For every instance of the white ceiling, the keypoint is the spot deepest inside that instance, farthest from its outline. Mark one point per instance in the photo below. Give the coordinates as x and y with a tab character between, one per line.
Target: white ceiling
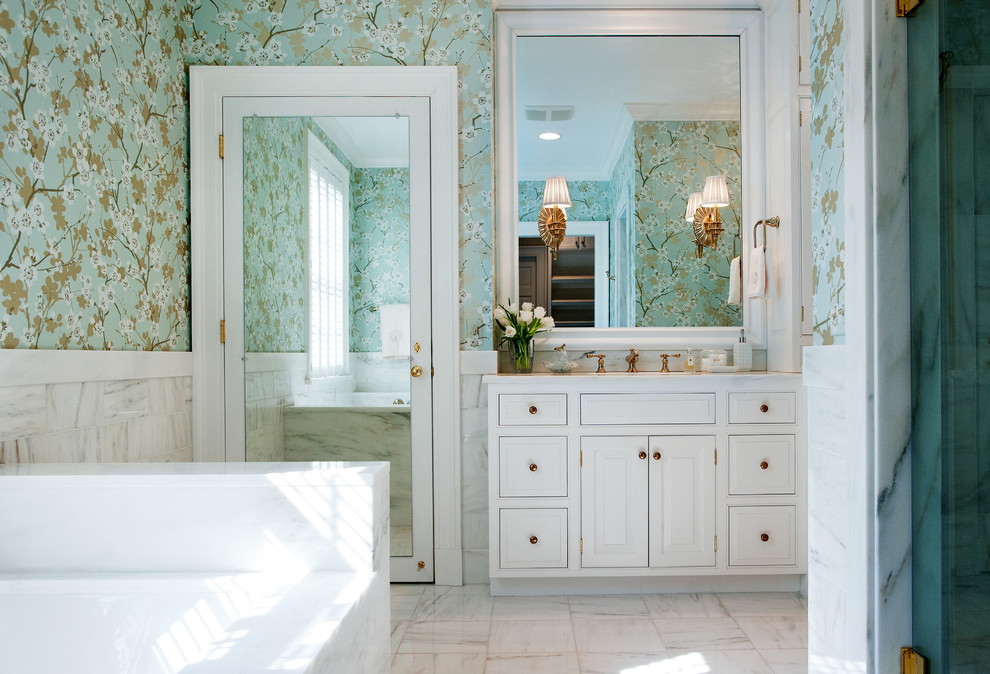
370	142
611	81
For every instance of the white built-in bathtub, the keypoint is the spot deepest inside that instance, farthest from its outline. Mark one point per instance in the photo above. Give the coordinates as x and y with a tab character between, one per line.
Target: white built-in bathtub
373	399
212	568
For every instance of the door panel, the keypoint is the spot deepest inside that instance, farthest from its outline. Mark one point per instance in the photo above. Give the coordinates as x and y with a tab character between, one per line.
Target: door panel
614	493
682	500
327	294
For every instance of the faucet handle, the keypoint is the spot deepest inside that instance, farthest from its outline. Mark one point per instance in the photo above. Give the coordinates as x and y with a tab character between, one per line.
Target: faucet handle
665	356
601	361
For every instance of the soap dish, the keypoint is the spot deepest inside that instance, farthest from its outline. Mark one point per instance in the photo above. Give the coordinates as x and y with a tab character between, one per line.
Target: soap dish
561	367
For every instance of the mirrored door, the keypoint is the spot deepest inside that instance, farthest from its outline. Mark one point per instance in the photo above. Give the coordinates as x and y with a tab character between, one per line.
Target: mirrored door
327	294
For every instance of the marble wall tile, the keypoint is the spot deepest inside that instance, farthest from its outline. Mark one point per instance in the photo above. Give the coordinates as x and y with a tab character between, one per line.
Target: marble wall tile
74	405
127	399
79	445
23	411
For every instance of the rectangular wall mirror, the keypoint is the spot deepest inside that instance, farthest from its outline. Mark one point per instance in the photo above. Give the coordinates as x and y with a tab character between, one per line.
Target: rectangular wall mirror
635	109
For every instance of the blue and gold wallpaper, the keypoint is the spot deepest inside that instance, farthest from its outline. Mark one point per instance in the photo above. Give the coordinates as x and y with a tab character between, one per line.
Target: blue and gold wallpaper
94	225
827	147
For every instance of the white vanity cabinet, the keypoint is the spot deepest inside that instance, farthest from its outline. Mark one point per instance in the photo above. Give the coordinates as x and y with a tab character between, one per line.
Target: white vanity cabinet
646	475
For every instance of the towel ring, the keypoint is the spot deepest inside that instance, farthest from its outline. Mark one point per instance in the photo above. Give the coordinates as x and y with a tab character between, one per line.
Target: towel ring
769	222
736	240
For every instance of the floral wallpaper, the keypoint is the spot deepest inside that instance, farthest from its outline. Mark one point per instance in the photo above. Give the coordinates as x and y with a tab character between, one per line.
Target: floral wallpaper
827	147
590	200
379	249
383	32
94	235
674	287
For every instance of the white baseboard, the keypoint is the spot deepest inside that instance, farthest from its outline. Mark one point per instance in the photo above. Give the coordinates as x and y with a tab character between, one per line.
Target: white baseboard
526	587
30	367
448	565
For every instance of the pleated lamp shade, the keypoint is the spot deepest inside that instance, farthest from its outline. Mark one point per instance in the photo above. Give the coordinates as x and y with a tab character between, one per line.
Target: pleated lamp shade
694	200
555	193
716	192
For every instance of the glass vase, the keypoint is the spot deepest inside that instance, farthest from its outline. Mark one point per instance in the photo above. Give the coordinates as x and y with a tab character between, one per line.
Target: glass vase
521	355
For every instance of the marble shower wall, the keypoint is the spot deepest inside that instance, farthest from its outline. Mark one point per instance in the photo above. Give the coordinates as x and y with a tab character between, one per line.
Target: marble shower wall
827	146
94	226
474	478
415	32
97	422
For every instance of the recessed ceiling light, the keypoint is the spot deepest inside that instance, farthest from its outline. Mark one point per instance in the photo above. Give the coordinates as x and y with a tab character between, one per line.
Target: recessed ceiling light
549	135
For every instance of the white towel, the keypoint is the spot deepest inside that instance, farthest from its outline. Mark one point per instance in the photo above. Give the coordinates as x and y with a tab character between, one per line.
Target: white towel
735	280
756	284
395	330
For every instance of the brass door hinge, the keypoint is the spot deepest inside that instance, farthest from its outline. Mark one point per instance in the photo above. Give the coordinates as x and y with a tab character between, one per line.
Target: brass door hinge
800	64
913	662
800	117
582	545
221	146
716	544
582	458
906	7
223	332
802	313
799	6
432	371
716	457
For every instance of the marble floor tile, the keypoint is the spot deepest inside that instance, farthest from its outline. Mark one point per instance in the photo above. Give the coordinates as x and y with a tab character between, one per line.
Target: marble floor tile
704	605
398	631
619	635
460	636
787	661
723	662
409	589
715	634
531	636
560	663
775	632
437	663
470	602
597	607
624	663
403	606
761	603
531	608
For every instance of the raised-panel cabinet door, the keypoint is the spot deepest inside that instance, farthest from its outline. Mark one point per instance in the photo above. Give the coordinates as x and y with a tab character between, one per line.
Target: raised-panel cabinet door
682	500
614	495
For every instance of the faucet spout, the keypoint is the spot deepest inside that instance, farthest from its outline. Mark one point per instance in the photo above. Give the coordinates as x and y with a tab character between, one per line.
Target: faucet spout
601	361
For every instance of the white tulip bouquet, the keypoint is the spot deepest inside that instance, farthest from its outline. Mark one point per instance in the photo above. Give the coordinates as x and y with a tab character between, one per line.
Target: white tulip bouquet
519	327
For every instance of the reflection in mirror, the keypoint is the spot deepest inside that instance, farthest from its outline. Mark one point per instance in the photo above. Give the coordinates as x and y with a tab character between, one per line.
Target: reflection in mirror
642	121
326	296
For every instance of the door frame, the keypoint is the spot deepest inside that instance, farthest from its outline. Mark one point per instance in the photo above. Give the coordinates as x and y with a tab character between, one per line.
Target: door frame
208	85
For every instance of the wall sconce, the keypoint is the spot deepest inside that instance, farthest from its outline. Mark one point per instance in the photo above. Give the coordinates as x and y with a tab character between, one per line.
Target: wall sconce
706	218
553	220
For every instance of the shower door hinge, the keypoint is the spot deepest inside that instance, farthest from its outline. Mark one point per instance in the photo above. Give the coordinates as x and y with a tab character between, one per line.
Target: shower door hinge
582	545
913	662
223	332
581	462
221	146
800	117
716	457
800	64
716	544
906	7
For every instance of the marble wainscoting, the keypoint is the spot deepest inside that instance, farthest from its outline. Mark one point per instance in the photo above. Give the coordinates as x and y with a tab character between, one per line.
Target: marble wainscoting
474	477
124	420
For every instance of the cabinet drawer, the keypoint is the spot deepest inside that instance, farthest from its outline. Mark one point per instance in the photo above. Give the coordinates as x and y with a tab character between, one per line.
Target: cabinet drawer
647	408
532	467
762	408
532	410
761	464
749	525
532	538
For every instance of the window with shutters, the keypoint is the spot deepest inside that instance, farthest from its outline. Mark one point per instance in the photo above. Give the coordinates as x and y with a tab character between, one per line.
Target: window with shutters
327	263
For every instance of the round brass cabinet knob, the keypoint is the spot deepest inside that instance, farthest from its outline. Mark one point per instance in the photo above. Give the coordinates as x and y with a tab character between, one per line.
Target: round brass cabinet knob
532	409
534	540
656	456
764	465
764	537
642	455
416	371
764	408
533	467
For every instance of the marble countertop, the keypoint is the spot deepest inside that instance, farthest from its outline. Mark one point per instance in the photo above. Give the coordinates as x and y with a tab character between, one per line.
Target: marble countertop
635	376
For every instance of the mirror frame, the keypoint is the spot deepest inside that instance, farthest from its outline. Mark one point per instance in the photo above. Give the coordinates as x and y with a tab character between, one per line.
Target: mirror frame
747	26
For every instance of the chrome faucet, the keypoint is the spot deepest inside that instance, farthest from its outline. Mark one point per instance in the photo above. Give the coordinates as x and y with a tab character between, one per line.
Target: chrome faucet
631	359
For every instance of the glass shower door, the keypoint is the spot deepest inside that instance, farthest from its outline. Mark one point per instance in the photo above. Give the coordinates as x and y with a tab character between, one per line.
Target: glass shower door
325	208
950	213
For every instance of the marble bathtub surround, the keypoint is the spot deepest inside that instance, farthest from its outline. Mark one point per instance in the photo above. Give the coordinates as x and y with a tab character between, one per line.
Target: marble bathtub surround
99	421
463	629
